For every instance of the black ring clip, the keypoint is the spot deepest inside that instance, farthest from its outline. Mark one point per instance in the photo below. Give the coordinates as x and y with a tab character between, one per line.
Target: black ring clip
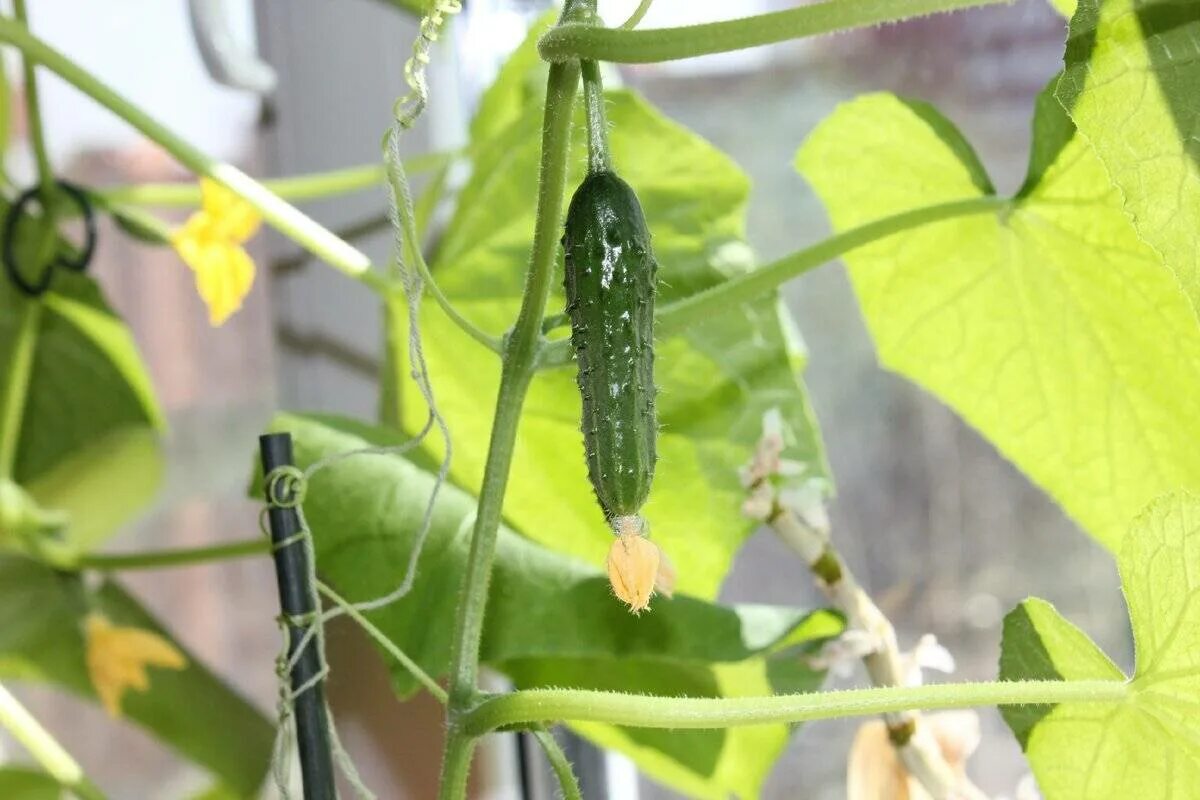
78	264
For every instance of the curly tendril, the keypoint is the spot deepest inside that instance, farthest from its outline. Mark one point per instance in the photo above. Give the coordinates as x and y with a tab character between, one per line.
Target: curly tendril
409	107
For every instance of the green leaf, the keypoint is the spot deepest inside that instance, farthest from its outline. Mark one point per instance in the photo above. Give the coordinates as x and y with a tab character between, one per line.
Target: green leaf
191	710
88	433
520	84
1065	7
22	783
716	380
1047	325
1147	746
551	619
1131	83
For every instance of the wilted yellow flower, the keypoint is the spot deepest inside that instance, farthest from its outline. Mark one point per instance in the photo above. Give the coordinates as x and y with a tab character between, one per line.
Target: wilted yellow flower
875	771
635	565
210	242
117	658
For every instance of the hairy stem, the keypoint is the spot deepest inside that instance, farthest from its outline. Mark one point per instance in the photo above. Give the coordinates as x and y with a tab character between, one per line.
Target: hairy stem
49	754
568	785
651	711
181	557
312	186
675	317
289	220
568	42
519	362
599	159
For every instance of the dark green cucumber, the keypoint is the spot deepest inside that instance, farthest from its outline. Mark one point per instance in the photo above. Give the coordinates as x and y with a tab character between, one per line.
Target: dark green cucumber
610	282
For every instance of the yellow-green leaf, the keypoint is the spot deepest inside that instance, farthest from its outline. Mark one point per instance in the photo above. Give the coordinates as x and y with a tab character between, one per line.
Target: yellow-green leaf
1132	84
1148	745
1047	325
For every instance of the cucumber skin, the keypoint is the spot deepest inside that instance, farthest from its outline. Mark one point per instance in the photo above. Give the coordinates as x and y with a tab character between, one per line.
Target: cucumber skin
610	282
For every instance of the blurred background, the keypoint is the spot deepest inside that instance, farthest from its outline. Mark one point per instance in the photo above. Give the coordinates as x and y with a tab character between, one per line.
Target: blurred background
943	532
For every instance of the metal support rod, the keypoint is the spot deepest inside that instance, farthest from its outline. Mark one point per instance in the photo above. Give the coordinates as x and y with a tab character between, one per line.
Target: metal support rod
295	598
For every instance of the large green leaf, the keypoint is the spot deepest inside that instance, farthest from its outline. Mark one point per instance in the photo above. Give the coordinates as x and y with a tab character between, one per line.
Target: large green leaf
88	433
716	380
1131	83
1147	746
1048	325
22	783
551	619
191	710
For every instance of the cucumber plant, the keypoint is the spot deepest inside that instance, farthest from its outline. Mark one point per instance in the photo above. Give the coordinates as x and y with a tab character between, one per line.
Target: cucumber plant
1059	321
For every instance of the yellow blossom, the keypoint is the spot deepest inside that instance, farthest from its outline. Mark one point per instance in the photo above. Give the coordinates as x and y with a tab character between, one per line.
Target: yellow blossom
117	658
635	565
210	242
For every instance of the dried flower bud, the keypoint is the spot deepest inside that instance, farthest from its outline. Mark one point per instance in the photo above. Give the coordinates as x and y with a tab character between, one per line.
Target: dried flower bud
633	569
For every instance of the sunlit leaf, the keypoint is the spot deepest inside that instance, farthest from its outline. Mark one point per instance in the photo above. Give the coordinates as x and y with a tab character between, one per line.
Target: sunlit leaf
1048	325
1147	746
1131	83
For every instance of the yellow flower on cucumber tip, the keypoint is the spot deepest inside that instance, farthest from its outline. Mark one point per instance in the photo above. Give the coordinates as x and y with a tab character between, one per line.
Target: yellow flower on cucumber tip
210	242
117	658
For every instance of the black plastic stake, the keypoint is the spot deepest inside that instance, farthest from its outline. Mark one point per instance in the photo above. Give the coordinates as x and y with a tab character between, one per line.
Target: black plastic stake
295	597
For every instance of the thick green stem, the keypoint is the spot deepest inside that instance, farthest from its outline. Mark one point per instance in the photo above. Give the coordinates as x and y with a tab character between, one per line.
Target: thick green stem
646	711
567	42
182	557
568	785
519	362
49	754
16	387
676	317
286	218
313	186
456	765
597	124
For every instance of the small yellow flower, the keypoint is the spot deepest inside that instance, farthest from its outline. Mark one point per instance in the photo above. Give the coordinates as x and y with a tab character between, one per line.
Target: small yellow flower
117	658
210	242
636	567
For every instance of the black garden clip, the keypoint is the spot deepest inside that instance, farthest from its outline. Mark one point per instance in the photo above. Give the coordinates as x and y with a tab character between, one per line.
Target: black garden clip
77	261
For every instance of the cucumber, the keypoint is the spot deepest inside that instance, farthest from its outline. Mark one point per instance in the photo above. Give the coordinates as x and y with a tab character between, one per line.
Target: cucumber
610	284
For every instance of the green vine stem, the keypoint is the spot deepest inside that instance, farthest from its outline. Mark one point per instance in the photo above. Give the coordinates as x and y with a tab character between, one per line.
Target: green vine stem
599	159
520	356
575	41
166	559
678	316
312	186
284	217
638	14
33	110
16	388
49	754
567	784
650	711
